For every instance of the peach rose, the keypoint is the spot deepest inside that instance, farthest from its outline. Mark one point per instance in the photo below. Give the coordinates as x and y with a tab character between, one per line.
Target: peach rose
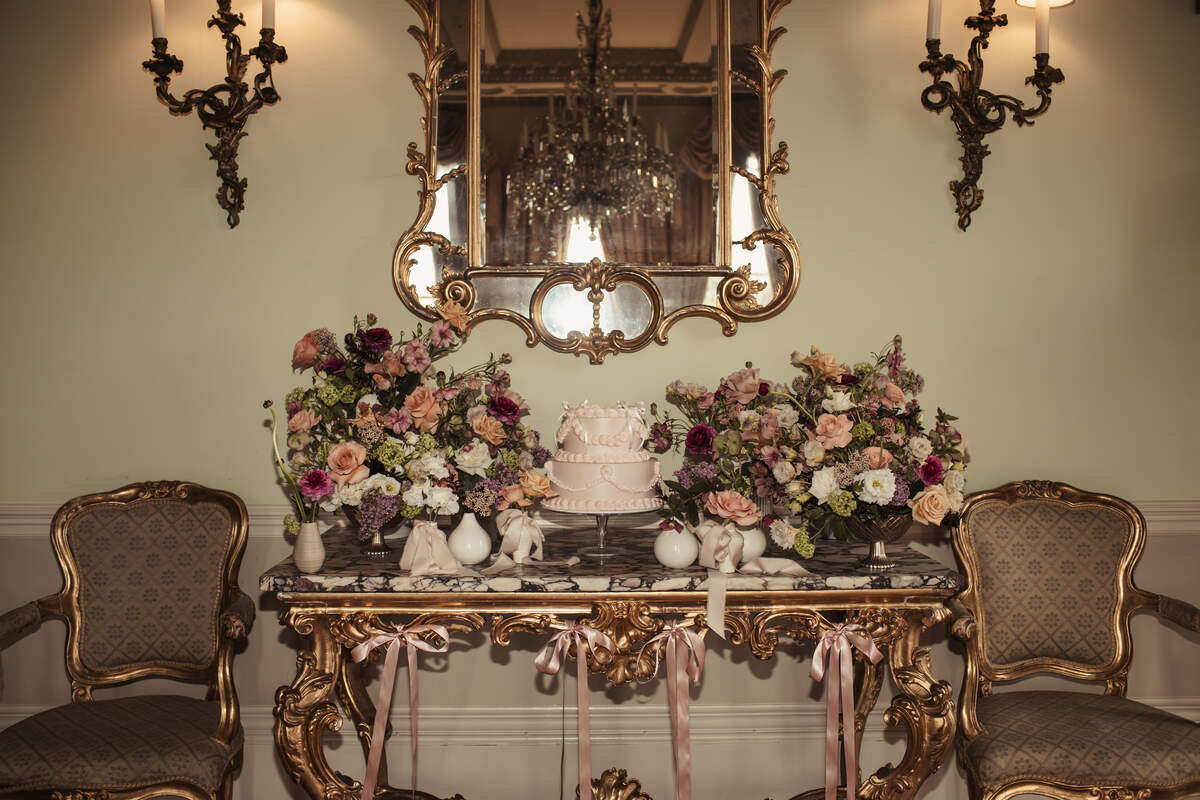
833	431
346	463
893	395
513	495
302	420
824	364
734	506
742	385
536	484
424	407
931	505
453	313
304	354
489	428
877	457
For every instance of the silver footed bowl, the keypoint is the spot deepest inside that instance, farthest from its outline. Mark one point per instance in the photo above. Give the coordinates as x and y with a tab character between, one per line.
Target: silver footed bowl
878	533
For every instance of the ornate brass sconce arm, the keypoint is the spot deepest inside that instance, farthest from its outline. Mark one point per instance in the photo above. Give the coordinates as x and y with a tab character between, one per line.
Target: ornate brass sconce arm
225	107
975	111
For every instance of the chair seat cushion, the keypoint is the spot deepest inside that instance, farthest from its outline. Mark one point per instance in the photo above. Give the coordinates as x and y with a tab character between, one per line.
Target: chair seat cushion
116	744
1082	739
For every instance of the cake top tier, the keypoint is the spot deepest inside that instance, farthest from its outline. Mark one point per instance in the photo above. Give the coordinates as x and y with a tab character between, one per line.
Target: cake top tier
620	426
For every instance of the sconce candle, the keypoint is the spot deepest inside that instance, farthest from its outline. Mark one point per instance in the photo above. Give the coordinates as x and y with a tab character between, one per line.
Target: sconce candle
933	24
158	18
1041	16
268	14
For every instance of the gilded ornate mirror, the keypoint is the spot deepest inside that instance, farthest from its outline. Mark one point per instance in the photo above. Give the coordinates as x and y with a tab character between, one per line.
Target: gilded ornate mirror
594	171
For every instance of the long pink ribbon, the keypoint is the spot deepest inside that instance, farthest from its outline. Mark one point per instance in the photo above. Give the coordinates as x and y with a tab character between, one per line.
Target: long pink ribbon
839	645
408	637
550	659
679	671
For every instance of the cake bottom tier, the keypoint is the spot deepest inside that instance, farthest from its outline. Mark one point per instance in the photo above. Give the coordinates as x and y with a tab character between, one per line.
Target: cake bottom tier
603	488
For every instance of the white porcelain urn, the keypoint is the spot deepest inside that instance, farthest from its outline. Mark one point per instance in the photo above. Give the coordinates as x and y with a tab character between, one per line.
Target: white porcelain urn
676	548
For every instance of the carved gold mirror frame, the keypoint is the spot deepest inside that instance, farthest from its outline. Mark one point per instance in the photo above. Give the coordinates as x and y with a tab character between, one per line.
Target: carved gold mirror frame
727	291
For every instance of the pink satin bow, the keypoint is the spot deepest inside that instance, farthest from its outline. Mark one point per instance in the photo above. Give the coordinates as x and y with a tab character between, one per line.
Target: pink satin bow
691	666
839	645
407	637
550	659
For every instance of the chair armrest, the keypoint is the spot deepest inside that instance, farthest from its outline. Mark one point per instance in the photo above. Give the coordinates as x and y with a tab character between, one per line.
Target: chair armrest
1185	615
18	622
962	621
238	617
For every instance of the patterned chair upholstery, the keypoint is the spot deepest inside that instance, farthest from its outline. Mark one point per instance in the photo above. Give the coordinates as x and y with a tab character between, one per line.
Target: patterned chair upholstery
1050	590
149	590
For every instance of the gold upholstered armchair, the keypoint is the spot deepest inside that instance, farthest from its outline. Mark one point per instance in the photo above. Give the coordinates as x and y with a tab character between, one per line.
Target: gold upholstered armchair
149	590
1050	589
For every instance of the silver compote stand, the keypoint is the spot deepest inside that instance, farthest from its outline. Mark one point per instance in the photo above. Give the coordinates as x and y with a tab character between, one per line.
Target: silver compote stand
602	549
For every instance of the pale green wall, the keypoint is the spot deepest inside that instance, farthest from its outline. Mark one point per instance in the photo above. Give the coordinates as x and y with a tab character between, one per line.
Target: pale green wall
142	335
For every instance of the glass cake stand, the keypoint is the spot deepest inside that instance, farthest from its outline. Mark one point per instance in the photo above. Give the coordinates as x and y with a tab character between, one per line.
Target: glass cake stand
603	550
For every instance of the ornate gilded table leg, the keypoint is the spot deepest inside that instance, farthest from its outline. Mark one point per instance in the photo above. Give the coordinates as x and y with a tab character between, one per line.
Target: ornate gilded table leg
924	707
304	710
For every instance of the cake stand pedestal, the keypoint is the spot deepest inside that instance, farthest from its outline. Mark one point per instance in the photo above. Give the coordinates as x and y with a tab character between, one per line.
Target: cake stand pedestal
602	550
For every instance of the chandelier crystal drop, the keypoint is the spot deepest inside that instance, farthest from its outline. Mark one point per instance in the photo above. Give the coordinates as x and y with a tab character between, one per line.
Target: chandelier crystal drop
591	158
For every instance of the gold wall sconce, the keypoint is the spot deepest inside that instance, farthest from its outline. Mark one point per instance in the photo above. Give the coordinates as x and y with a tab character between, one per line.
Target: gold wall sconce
975	111
225	107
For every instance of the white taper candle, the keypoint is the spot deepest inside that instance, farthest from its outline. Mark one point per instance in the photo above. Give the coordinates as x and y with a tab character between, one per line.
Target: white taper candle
933	24
268	14
1041	17
158	18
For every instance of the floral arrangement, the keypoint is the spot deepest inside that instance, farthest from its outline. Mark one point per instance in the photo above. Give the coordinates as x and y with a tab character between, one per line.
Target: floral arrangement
381	432
838	443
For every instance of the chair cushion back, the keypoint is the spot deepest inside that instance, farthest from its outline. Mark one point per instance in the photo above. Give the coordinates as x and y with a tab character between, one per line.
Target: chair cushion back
1047	577
150	578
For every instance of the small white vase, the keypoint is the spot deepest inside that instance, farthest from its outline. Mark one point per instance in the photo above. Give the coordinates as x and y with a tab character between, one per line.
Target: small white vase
469	542
676	549
309	553
754	542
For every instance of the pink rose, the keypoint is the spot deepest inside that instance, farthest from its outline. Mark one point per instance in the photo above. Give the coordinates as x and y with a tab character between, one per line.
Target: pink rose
302	421
877	457
424	407
833	431
734	506
346	463
742	386
304	354
893	395
513	495
931	505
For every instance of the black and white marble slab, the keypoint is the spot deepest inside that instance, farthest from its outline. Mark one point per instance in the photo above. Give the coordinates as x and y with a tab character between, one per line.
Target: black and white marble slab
833	568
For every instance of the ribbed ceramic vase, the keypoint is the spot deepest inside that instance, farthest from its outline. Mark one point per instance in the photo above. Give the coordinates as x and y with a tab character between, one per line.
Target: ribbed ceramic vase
309	552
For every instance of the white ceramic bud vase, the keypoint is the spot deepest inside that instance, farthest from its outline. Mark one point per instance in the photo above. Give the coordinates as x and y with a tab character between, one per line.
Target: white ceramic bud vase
676	548
309	553
469	542
754	542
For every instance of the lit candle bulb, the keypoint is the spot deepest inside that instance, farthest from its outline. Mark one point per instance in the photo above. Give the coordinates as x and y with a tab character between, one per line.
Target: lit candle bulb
268	14
933	24
1041	17
158	18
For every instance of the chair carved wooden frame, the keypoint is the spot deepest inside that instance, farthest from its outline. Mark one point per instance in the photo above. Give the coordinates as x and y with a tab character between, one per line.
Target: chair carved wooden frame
149	509
986	661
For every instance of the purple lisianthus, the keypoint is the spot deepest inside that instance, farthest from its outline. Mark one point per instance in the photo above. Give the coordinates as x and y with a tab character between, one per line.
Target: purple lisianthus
316	484
504	409
699	441
376	340
931	471
334	366
660	437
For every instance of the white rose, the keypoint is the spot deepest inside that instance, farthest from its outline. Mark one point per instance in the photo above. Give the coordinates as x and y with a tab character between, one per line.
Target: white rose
814	453
473	458
878	486
783	471
824	483
954	481
920	448
837	402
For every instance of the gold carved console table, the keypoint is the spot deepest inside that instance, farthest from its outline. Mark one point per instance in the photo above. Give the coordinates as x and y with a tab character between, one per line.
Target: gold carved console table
628	598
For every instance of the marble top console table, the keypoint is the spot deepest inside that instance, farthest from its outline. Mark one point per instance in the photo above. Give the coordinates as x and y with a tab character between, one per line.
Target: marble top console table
630	599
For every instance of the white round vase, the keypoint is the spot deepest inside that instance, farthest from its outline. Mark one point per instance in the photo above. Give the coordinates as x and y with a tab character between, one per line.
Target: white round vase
754	542
676	549
469	542
309	552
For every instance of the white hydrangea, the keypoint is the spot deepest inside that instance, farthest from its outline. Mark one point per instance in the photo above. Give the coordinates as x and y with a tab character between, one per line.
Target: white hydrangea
824	483
878	486
920	447
473	458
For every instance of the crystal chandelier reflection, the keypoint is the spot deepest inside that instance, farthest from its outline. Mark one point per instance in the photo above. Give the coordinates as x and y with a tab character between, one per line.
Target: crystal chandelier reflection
592	159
